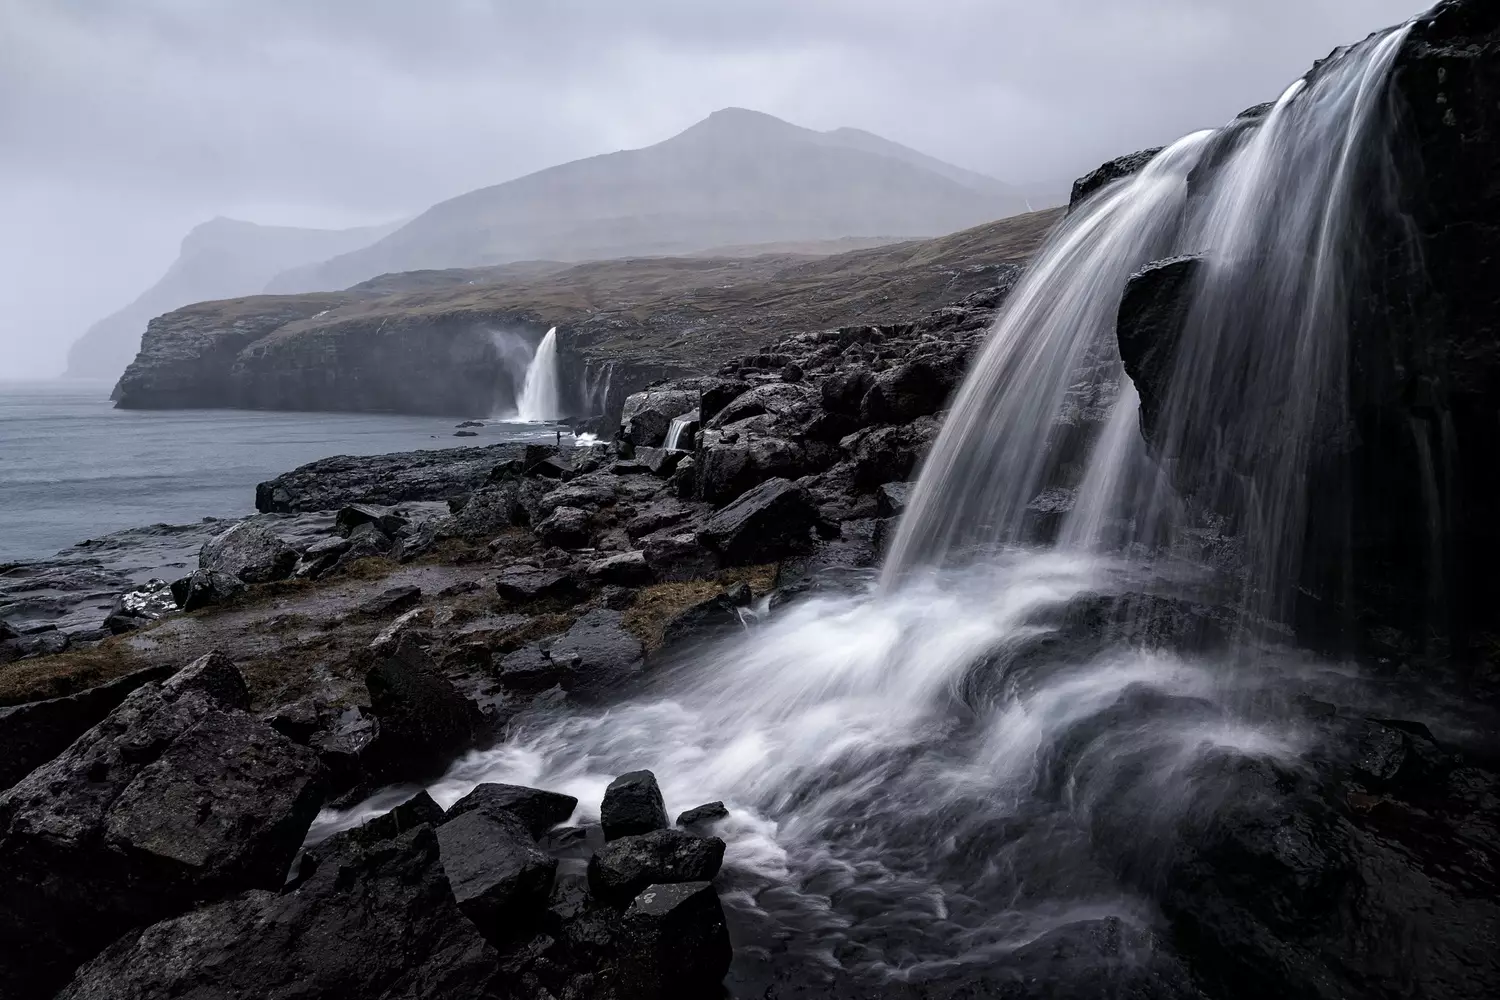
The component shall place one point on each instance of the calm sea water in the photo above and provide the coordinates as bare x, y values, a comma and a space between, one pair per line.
72, 467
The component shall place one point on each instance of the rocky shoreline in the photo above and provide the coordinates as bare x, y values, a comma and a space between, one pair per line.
217, 785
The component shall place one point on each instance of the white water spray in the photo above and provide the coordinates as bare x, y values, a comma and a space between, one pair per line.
540, 393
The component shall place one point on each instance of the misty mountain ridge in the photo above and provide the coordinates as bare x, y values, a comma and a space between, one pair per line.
736, 178
219, 259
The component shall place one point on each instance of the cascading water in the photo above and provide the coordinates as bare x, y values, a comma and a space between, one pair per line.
928, 778
677, 428
540, 394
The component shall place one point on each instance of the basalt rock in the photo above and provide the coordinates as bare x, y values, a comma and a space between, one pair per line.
628, 865
540, 811
598, 655
769, 522
333, 483
647, 416
176, 797
423, 721
501, 880
34, 733
249, 552
377, 921
632, 806
1114, 170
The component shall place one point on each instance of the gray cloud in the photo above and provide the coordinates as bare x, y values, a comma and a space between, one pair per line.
124, 124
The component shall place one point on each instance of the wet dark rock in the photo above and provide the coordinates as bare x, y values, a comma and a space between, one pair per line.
1114, 170
627, 865
389, 603
465, 434
598, 654
205, 588
6, 632
1153, 312
567, 528
705, 620
34, 733
522, 584
380, 923
470, 423
708, 813
298, 721
888, 454
681, 940
627, 569
423, 721
319, 557
354, 515
538, 810
659, 461
39, 644
488, 511
908, 391
648, 415
140, 606
177, 796
529, 670
333, 483
501, 879
683, 482
891, 498
716, 395
726, 470
250, 552
341, 750
767, 523
844, 391
416, 811
632, 805
679, 557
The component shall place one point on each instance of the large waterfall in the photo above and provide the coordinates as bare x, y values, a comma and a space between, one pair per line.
540, 393
920, 775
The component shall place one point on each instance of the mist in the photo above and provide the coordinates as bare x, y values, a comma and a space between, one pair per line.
126, 125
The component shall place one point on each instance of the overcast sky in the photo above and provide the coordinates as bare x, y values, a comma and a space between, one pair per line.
123, 124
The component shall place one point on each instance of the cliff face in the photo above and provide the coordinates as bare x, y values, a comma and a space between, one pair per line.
456, 342
186, 356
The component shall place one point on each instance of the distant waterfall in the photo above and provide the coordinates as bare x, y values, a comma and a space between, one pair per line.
539, 393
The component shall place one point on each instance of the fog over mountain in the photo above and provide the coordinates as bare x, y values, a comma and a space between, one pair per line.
221, 259
737, 177
126, 125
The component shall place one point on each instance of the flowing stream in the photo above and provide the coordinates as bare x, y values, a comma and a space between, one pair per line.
916, 772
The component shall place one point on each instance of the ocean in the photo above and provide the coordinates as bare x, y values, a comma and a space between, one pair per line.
73, 468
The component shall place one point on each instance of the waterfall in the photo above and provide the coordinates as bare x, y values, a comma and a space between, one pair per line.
922, 776
539, 393
677, 428
1257, 382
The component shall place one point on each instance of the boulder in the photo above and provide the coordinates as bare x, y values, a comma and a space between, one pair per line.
522, 584
891, 498
34, 733
708, 617
767, 523
726, 470
48, 643
423, 721
632, 805
488, 511
598, 654
205, 588
177, 796
626, 569
888, 454
908, 391
683, 482
700, 815
394, 601
501, 880
659, 461
679, 557
529, 670
843, 391
716, 395
566, 528
1152, 315
681, 941
661, 514
353, 515
627, 865
647, 415
319, 557
379, 922
539, 811
140, 606
250, 552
